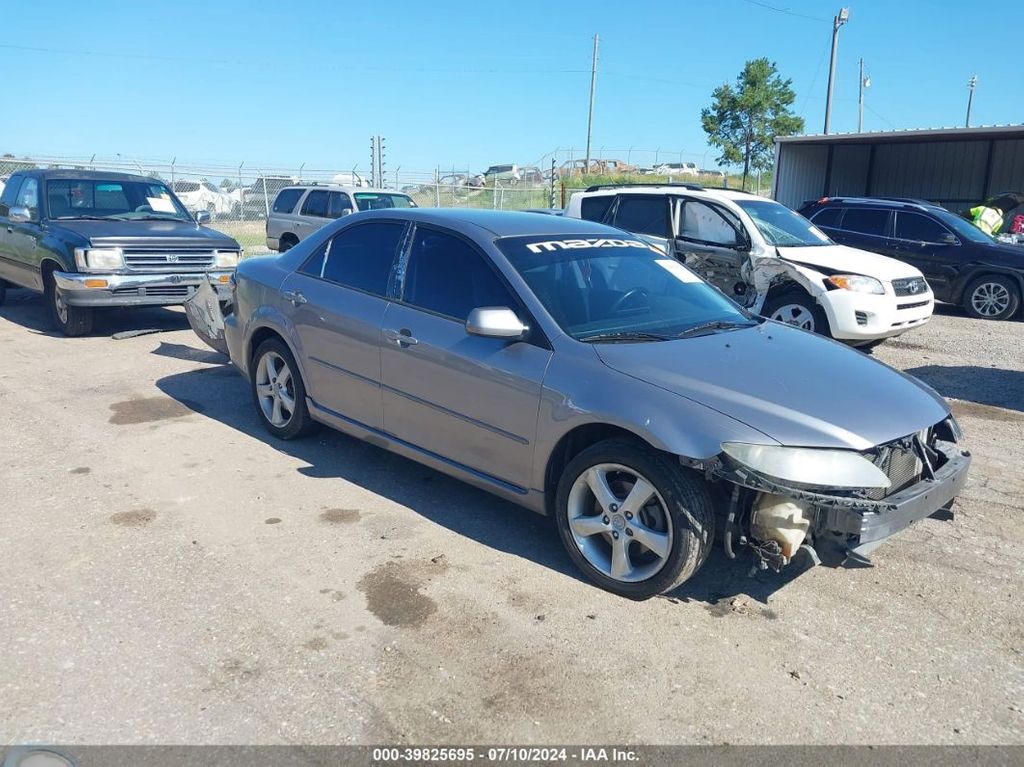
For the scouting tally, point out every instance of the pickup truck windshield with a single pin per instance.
(115, 200)
(619, 290)
(781, 226)
(378, 200)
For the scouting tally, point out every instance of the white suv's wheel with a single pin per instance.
(795, 307)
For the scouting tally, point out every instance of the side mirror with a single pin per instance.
(950, 239)
(345, 212)
(20, 215)
(202, 217)
(495, 322)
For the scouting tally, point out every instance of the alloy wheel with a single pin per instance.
(619, 522)
(990, 299)
(60, 305)
(795, 314)
(275, 389)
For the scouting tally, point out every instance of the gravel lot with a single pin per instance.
(171, 575)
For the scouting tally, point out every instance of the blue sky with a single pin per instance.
(466, 83)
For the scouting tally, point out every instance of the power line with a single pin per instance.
(786, 11)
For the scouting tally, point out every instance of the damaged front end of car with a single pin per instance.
(836, 505)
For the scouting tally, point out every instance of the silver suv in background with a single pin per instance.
(298, 211)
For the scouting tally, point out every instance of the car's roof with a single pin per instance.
(880, 202)
(500, 223)
(346, 188)
(694, 190)
(93, 175)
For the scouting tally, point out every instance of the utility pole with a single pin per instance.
(971, 85)
(865, 82)
(590, 116)
(841, 18)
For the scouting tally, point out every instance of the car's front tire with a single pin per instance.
(992, 297)
(279, 392)
(70, 320)
(634, 521)
(796, 307)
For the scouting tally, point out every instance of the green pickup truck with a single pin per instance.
(89, 239)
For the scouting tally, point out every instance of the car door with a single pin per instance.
(867, 229)
(21, 237)
(336, 303)
(468, 399)
(711, 240)
(923, 242)
(313, 213)
(10, 194)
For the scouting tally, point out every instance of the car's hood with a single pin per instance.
(837, 259)
(128, 234)
(795, 387)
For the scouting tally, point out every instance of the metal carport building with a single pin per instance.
(954, 167)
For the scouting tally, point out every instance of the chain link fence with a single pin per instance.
(240, 197)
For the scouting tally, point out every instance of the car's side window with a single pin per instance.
(315, 204)
(707, 224)
(337, 204)
(595, 208)
(361, 256)
(914, 226)
(874, 221)
(28, 197)
(10, 195)
(643, 214)
(827, 217)
(314, 265)
(447, 276)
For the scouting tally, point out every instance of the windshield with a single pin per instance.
(121, 200)
(962, 227)
(605, 288)
(781, 226)
(378, 200)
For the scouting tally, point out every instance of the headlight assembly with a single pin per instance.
(225, 259)
(858, 283)
(99, 259)
(808, 466)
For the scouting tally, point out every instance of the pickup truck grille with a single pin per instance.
(177, 260)
(910, 286)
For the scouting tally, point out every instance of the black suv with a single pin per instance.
(962, 264)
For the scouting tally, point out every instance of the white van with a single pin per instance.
(768, 258)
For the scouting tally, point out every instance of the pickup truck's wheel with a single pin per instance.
(635, 522)
(992, 297)
(796, 307)
(70, 320)
(279, 392)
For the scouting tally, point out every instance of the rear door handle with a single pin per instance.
(294, 296)
(401, 337)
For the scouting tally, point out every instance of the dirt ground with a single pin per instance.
(170, 574)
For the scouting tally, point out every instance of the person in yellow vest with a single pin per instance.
(989, 220)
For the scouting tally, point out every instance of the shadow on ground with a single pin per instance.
(27, 309)
(987, 387)
(223, 395)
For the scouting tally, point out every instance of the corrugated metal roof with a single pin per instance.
(917, 134)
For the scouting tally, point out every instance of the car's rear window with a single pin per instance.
(594, 208)
(379, 200)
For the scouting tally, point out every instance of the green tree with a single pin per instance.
(227, 185)
(744, 120)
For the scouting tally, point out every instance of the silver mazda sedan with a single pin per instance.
(576, 370)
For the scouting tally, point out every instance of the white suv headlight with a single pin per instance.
(225, 259)
(858, 283)
(808, 466)
(99, 259)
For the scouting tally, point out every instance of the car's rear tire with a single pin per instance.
(794, 306)
(287, 242)
(279, 392)
(660, 518)
(992, 297)
(70, 320)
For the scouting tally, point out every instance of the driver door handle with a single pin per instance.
(294, 296)
(401, 337)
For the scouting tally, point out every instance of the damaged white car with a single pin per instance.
(769, 259)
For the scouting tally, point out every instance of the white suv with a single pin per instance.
(768, 258)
